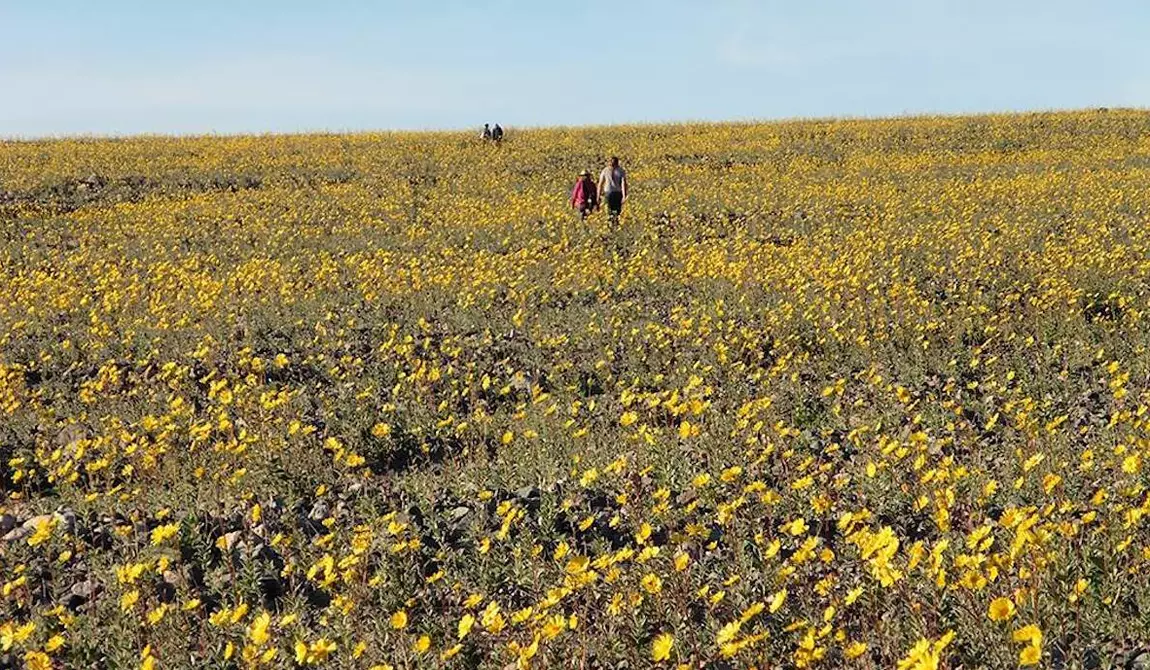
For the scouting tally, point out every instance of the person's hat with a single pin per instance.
(585, 173)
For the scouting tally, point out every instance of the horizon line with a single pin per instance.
(752, 121)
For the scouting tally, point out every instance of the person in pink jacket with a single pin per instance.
(585, 195)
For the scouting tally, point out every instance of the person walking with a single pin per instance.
(585, 195)
(497, 134)
(613, 188)
(485, 135)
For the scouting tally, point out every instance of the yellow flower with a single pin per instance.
(239, 612)
(43, 531)
(465, 625)
(473, 600)
(422, 644)
(1080, 587)
(399, 620)
(661, 647)
(1029, 634)
(554, 626)
(451, 653)
(1030, 655)
(37, 660)
(492, 618)
(651, 583)
(156, 615)
(1001, 609)
(258, 630)
(685, 429)
(855, 649)
(577, 565)
(161, 533)
(796, 527)
(320, 650)
(925, 655)
(751, 612)
(777, 601)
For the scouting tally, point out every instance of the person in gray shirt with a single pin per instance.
(613, 188)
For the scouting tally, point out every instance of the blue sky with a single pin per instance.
(117, 67)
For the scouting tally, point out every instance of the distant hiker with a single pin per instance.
(486, 134)
(613, 188)
(585, 196)
(497, 134)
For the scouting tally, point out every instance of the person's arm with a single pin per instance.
(623, 185)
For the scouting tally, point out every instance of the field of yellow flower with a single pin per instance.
(833, 394)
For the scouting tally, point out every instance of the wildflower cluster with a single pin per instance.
(839, 393)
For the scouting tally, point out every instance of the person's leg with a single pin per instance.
(614, 205)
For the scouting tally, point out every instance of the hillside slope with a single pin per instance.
(832, 393)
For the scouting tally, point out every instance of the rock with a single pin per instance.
(165, 591)
(80, 594)
(67, 519)
(7, 522)
(318, 598)
(458, 514)
(531, 497)
(25, 529)
(70, 435)
(87, 589)
(521, 383)
(36, 521)
(319, 511)
(1139, 661)
(269, 553)
(272, 589)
